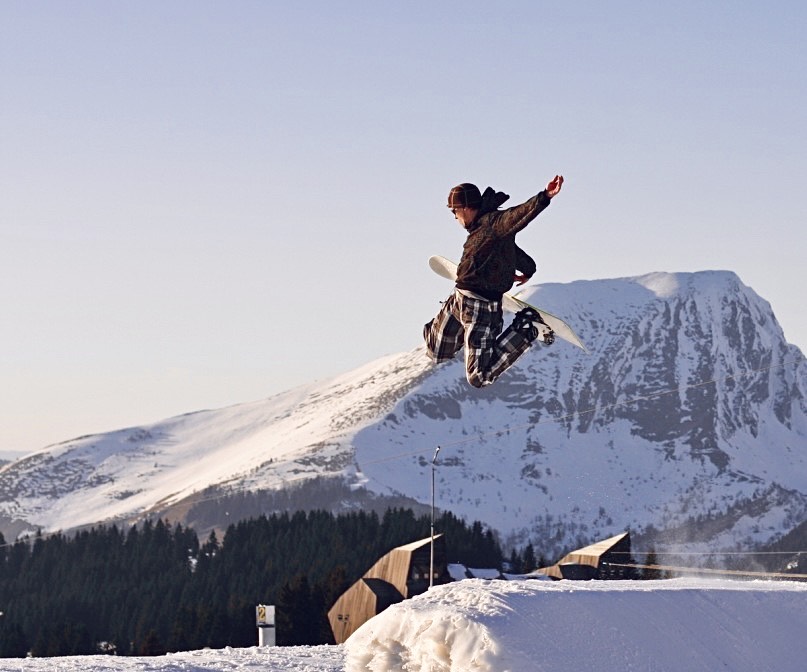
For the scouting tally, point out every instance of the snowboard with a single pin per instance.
(448, 269)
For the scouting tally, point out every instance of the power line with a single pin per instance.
(714, 572)
(705, 553)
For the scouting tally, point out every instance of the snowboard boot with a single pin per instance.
(529, 324)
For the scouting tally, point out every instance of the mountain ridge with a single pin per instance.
(692, 407)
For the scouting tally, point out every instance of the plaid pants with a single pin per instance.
(469, 320)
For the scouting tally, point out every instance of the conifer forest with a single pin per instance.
(155, 588)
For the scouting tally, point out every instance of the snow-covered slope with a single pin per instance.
(685, 625)
(297, 435)
(690, 415)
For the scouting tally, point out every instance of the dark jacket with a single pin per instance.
(490, 257)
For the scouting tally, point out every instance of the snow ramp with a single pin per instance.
(681, 625)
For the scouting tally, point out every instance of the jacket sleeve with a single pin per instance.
(525, 263)
(511, 221)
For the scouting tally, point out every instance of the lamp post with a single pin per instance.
(431, 560)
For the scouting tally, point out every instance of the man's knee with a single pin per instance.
(427, 330)
(428, 337)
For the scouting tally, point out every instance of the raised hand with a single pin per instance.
(553, 188)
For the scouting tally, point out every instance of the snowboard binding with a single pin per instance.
(528, 323)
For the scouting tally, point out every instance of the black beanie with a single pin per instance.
(465, 195)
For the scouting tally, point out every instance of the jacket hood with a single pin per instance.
(492, 200)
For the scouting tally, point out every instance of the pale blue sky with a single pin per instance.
(205, 203)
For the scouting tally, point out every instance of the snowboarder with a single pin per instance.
(491, 262)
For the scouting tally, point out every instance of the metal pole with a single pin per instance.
(431, 560)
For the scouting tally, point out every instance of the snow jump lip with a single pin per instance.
(680, 625)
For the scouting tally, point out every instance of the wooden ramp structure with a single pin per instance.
(597, 561)
(400, 574)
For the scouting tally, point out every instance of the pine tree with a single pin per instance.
(515, 563)
(528, 561)
(151, 645)
(12, 639)
(299, 616)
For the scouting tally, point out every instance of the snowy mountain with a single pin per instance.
(688, 420)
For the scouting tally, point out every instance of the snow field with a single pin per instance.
(685, 625)
(681, 625)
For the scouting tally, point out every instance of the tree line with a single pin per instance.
(155, 588)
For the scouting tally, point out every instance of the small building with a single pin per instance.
(605, 559)
(400, 574)
(404, 572)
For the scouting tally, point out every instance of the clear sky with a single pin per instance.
(206, 203)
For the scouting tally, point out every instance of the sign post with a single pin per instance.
(265, 620)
